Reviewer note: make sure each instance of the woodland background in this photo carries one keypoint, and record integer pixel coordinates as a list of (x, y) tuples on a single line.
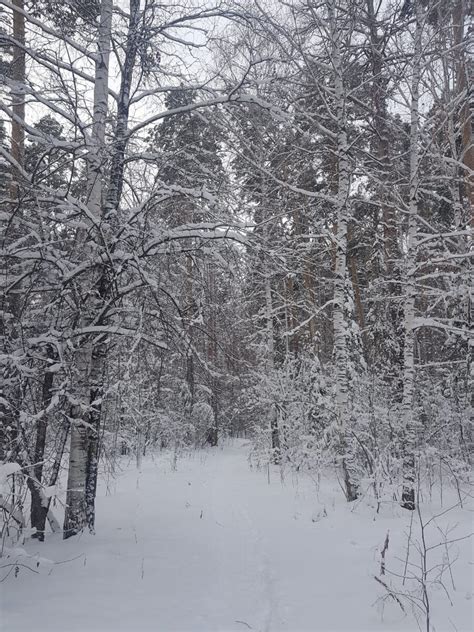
[(244, 218)]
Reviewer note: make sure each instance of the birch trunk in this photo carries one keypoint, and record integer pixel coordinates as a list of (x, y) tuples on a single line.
[(75, 516), (346, 457), (409, 425), (110, 223)]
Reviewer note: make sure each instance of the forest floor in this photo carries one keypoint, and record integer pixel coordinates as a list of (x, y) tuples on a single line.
[(220, 546)]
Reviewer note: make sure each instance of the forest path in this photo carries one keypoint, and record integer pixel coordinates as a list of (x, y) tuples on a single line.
[(215, 546)]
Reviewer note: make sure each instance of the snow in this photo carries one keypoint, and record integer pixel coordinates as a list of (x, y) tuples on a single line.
[(220, 546), (6, 470), (49, 492), (9, 468)]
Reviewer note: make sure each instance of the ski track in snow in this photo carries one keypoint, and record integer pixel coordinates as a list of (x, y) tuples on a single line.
[(258, 571), (216, 547)]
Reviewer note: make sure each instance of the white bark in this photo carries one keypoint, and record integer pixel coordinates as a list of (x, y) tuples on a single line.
[(342, 213), (101, 91), (408, 497), (75, 516)]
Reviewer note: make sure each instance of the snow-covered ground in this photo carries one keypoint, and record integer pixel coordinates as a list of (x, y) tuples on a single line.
[(218, 546)]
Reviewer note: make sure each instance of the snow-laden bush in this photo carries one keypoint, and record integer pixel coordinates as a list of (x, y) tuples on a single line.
[(301, 395)]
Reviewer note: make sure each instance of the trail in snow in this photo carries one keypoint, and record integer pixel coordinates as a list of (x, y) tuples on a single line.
[(216, 547)]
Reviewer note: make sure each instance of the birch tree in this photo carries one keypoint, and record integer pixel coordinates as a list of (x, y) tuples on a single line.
[(342, 213), (410, 426), (82, 474)]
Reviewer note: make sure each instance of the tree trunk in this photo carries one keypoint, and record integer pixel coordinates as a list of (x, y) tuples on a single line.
[(274, 429), (111, 221), (465, 74), (409, 425), (339, 313), (45, 504), (86, 360), (18, 98), (39, 511), (114, 192), (213, 436), (465, 66)]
